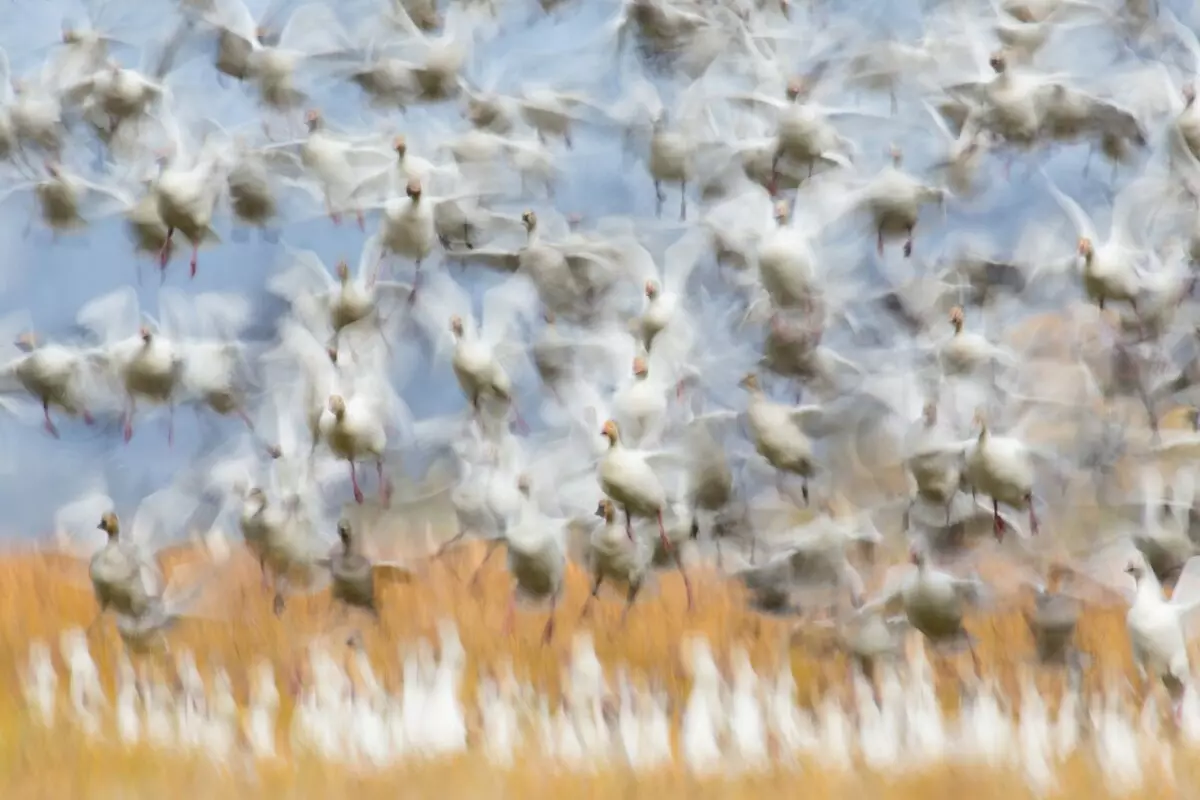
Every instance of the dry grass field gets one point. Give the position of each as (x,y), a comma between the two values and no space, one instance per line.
(41,595)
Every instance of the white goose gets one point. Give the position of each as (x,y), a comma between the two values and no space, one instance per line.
(627,477)
(328,303)
(353,429)
(613,556)
(56,375)
(1109,268)
(187,189)
(484,359)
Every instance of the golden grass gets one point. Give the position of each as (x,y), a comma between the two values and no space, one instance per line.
(38,599)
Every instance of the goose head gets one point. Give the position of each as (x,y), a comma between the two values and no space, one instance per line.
(523,484)
(529,220)
(258,497)
(413,190)
(400,145)
(896,155)
(337,406)
(110,525)
(275,451)
(312,120)
(980,419)
(916,555)
(611,432)
(456,326)
(344,534)
(640,369)
(1189,94)
(146,335)
(956,318)
(651,289)
(548,316)
(606,510)
(1086,249)
(27,342)
(930,414)
(1136,568)
(998,62)
(750,383)
(782,212)
(343,271)
(797,85)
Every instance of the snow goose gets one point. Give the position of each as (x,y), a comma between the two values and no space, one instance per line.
(354,428)
(336,163)
(408,228)
(187,189)
(665,288)
(356,575)
(894,199)
(1109,268)
(326,302)
(613,556)
(68,201)
(804,131)
(58,375)
(932,600)
(125,575)
(486,357)
(1159,629)
(311,32)
(145,360)
(1002,467)
(537,558)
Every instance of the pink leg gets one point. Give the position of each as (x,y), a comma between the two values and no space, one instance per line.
(129,422)
(666,543)
(171,426)
(362,222)
(1033,520)
(358,494)
(164,252)
(385,488)
(879,241)
(997,522)
(242,416)
(88,419)
(628,525)
(522,426)
(412,296)
(49,424)
(195,260)
(548,631)
(510,616)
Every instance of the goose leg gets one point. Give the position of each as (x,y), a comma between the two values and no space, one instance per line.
(1033,520)
(170,426)
(492,547)
(358,493)
(628,525)
(548,631)
(510,616)
(879,241)
(682,201)
(195,260)
(658,198)
(997,522)
(385,488)
(634,588)
(49,424)
(455,539)
(908,243)
(587,604)
(129,409)
(667,546)
(164,252)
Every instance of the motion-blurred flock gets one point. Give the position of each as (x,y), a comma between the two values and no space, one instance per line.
(833,299)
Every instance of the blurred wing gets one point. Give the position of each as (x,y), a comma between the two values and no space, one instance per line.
(112,317)
(75,524)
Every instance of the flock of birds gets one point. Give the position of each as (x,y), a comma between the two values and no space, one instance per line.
(623,375)
(747,724)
